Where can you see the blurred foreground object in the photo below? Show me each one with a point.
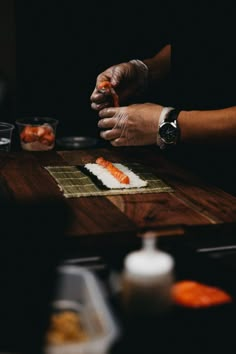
(31, 245)
(89, 326)
(6, 130)
(147, 279)
(193, 294)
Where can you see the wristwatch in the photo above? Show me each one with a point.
(168, 132)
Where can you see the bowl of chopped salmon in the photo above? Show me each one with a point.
(37, 133)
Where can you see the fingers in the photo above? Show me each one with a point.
(112, 126)
(119, 142)
(102, 98)
(99, 100)
(108, 112)
(116, 76)
(110, 134)
(107, 123)
(98, 107)
(114, 123)
(112, 118)
(97, 97)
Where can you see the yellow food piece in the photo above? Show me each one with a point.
(65, 327)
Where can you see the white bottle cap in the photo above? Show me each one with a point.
(149, 261)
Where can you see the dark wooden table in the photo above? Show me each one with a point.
(193, 202)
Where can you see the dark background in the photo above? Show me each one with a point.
(7, 60)
(52, 52)
(63, 45)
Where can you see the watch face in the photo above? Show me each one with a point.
(168, 133)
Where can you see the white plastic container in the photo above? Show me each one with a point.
(79, 290)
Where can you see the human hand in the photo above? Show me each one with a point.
(127, 79)
(132, 125)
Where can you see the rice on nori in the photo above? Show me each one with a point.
(111, 182)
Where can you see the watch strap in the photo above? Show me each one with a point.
(172, 115)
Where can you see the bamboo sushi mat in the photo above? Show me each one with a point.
(75, 182)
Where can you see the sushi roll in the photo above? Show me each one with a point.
(115, 175)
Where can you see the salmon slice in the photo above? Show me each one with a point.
(194, 294)
(118, 174)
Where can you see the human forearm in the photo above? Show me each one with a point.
(159, 65)
(213, 126)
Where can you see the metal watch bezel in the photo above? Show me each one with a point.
(163, 137)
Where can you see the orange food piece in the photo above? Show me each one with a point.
(29, 134)
(27, 138)
(106, 87)
(193, 294)
(47, 129)
(118, 174)
(47, 139)
(42, 133)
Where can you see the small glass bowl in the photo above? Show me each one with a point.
(37, 133)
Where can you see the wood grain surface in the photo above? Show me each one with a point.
(192, 203)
